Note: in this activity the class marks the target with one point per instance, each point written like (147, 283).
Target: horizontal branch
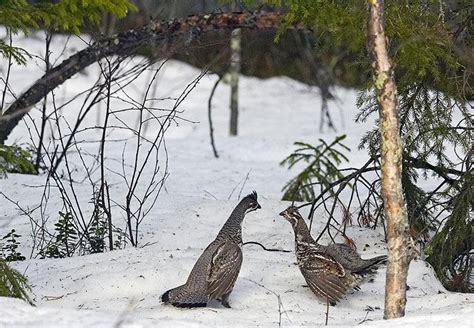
(179, 32)
(439, 170)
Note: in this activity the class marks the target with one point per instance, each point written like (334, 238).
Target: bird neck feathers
(302, 233)
(232, 228)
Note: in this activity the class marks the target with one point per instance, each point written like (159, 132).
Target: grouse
(332, 270)
(215, 272)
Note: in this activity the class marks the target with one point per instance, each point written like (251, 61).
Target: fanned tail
(367, 271)
(182, 297)
(372, 265)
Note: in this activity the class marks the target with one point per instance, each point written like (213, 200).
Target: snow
(122, 288)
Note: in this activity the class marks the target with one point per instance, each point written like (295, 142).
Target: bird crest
(252, 195)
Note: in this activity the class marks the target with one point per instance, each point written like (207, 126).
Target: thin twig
(243, 184)
(327, 312)
(209, 107)
(265, 248)
(7, 78)
(243, 181)
(280, 303)
(48, 39)
(365, 318)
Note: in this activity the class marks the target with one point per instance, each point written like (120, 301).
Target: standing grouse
(215, 272)
(332, 270)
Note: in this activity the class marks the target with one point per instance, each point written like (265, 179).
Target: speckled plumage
(332, 270)
(215, 272)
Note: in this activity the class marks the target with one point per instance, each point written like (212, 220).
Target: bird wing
(351, 260)
(345, 255)
(224, 269)
(324, 276)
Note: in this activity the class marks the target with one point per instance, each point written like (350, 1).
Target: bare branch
(265, 248)
(209, 106)
(179, 32)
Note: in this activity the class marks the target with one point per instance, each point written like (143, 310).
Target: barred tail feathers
(371, 265)
(182, 297)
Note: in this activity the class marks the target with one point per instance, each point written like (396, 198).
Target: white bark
(399, 242)
(235, 46)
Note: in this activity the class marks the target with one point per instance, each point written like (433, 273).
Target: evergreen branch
(13, 283)
(323, 161)
(441, 171)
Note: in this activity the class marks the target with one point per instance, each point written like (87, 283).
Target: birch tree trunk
(235, 47)
(399, 242)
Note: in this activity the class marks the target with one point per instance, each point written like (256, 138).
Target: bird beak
(258, 206)
(282, 213)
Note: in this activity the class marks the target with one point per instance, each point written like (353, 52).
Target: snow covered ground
(122, 288)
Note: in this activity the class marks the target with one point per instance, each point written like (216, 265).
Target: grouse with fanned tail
(215, 272)
(332, 270)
